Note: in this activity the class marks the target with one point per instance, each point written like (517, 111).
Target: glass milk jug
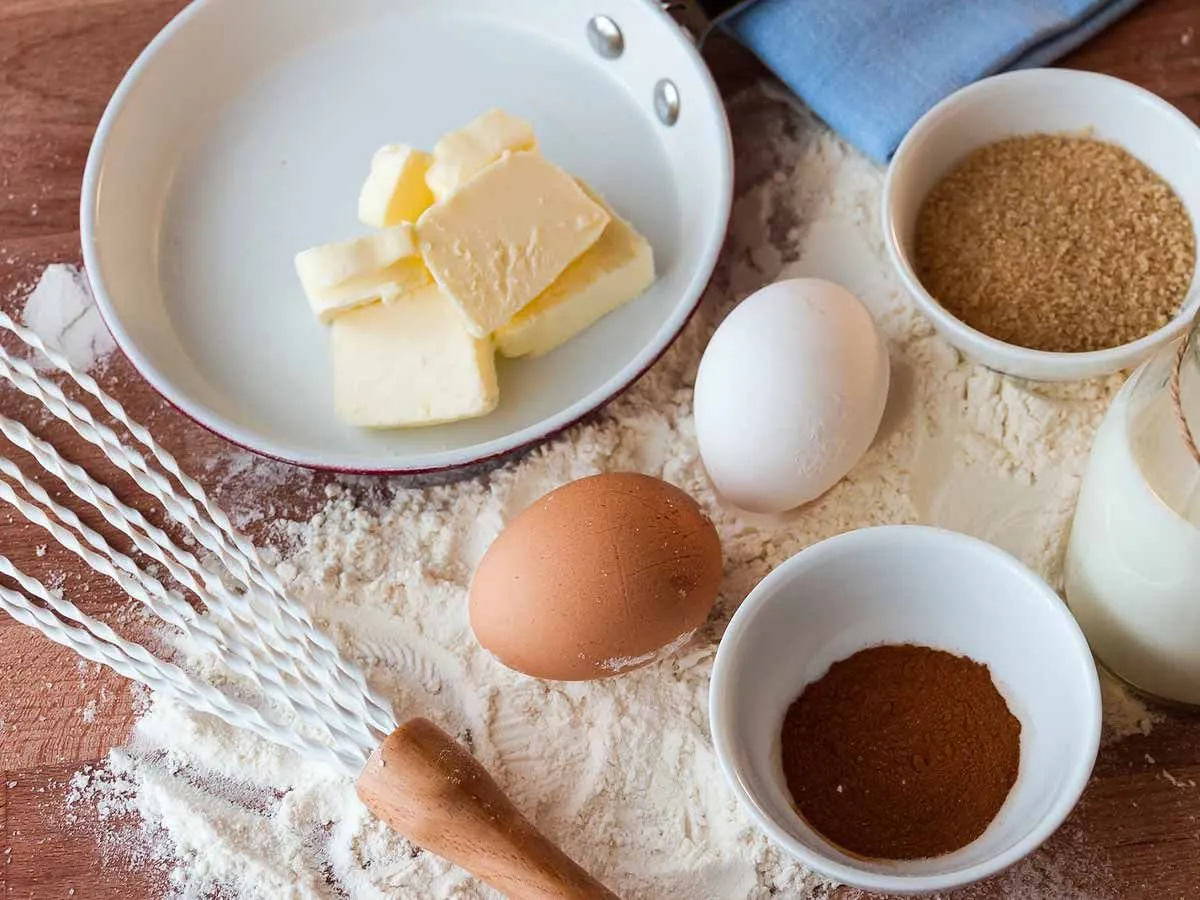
(1133, 562)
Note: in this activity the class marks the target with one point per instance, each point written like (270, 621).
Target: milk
(1133, 562)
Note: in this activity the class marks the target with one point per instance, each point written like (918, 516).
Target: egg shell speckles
(596, 578)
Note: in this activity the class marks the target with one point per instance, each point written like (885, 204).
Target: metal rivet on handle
(666, 101)
(605, 37)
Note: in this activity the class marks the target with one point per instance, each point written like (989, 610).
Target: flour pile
(61, 311)
(620, 772)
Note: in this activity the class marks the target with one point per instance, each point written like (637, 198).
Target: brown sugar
(901, 752)
(1056, 242)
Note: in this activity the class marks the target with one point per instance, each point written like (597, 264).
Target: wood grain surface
(1135, 835)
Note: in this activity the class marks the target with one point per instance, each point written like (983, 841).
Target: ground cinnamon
(901, 752)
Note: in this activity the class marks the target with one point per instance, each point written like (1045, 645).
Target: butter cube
(462, 154)
(410, 363)
(505, 236)
(339, 277)
(395, 191)
(387, 285)
(617, 268)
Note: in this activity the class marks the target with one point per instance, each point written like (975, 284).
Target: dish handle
(699, 18)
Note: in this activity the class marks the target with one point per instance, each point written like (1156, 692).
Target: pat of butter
(505, 235)
(617, 268)
(395, 191)
(462, 154)
(410, 363)
(386, 285)
(339, 277)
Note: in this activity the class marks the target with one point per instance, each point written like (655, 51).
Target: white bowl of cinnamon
(905, 709)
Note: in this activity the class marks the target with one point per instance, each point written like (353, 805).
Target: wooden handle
(427, 787)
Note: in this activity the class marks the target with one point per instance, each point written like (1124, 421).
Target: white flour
(60, 310)
(621, 771)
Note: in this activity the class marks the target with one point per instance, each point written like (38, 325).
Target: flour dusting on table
(621, 772)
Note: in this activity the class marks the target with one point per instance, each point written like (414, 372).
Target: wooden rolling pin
(427, 787)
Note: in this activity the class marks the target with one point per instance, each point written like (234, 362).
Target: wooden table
(1136, 834)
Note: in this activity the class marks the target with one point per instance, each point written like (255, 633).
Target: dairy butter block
(481, 246)
(506, 235)
(410, 363)
(618, 268)
(462, 154)
(395, 191)
(338, 277)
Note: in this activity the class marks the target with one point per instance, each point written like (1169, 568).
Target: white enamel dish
(242, 135)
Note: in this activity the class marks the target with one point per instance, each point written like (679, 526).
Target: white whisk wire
(242, 658)
(216, 533)
(267, 639)
(94, 641)
(260, 661)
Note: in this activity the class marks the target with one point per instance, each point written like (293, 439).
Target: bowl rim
(732, 647)
(958, 331)
(359, 462)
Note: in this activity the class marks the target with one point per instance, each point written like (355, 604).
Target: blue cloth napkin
(871, 68)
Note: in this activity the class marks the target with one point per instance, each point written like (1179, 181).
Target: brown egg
(597, 578)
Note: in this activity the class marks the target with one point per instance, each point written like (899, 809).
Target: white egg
(790, 394)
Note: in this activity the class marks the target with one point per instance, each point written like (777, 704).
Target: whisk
(294, 687)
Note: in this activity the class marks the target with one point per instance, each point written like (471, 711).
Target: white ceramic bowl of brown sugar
(1051, 102)
(906, 584)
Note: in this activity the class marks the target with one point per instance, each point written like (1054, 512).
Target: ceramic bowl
(1039, 100)
(908, 584)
